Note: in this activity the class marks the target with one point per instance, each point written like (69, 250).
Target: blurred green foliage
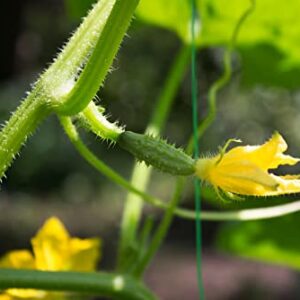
(174, 15)
(261, 64)
(272, 22)
(268, 42)
(275, 240)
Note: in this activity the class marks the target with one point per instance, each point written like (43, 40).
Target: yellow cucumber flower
(244, 170)
(53, 250)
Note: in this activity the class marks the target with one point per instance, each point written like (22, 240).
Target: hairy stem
(20, 126)
(101, 58)
(115, 286)
(78, 49)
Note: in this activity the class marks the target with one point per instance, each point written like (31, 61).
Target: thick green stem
(115, 286)
(99, 34)
(61, 75)
(22, 124)
(141, 173)
(101, 58)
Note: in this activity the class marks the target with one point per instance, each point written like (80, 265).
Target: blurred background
(50, 178)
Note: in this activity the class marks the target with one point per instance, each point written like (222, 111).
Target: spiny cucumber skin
(157, 153)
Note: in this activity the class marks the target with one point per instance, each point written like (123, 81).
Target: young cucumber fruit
(157, 153)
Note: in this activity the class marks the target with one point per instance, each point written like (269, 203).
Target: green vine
(115, 286)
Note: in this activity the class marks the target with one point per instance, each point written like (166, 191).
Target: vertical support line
(194, 96)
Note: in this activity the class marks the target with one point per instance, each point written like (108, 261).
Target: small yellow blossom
(53, 250)
(244, 170)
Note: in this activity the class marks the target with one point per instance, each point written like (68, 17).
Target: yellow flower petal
(25, 294)
(50, 246)
(244, 169)
(5, 297)
(55, 250)
(240, 177)
(267, 156)
(20, 259)
(84, 254)
(243, 178)
(286, 185)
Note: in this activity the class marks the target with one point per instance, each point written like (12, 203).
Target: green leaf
(268, 40)
(276, 240)
(272, 22)
(273, 25)
(263, 64)
(173, 15)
